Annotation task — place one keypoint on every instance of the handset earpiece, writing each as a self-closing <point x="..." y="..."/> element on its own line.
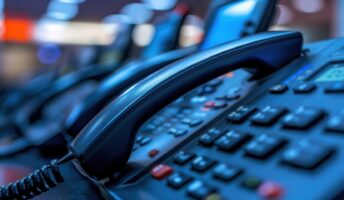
<point x="105" y="144"/>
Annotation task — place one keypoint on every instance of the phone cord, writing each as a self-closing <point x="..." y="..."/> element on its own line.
<point x="36" y="183"/>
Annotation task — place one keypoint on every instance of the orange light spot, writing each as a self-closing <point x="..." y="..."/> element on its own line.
<point x="17" y="30"/>
<point x="230" y="75"/>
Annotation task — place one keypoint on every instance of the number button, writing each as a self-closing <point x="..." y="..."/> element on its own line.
<point x="306" y="154"/>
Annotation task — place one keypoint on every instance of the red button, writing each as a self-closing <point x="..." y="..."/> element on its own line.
<point x="209" y="104"/>
<point x="161" y="171"/>
<point x="270" y="190"/>
<point x="153" y="153"/>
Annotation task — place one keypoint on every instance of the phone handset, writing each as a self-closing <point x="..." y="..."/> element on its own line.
<point x="33" y="110"/>
<point x="116" y="83"/>
<point x="103" y="147"/>
<point x="105" y="144"/>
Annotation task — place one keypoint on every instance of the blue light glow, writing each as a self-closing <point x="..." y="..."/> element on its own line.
<point x="138" y="12"/>
<point x="160" y="4"/>
<point x="49" y="53"/>
<point x="62" y="11"/>
<point x="1" y="5"/>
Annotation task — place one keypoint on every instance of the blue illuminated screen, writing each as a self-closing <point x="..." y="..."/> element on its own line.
<point x="228" y="22"/>
<point x="334" y="73"/>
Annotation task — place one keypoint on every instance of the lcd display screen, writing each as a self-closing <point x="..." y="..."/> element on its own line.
<point x="334" y="73"/>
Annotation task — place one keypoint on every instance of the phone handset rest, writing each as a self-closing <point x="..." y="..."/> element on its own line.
<point x="105" y="144"/>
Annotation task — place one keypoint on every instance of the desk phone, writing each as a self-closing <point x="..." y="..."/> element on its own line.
<point x="282" y="141"/>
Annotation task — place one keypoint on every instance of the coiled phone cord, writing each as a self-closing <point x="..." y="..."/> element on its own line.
<point x="36" y="183"/>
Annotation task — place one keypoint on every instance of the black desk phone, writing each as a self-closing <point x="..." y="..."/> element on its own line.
<point x="281" y="141"/>
<point x="274" y="134"/>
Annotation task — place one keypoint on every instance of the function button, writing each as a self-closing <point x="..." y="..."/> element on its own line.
<point x="145" y="140"/>
<point x="205" y="90"/>
<point x="306" y="154"/>
<point x="208" y="90"/>
<point x="220" y="104"/>
<point x="157" y="120"/>
<point x="174" y="120"/>
<point x="270" y="190"/>
<point x="139" y="138"/>
<point x="335" y="124"/>
<point x="178" y="180"/>
<point x="182" y="157"/>
<point x="177" y="132"/>
<point x="215" y="104"/>
<point x="233" y="96"/>
<point x="202" y="163"/>
<point x="278" y="89"/>
<point x="263" y="146"/>
<point x="209" y="137"/>
<point x="199" y="190"/>
<point x="192" y="122"/>
<point x="231" y="141"/>
<point x="167" y="125"/>
<point x="304" y="88"/>
<point x="186" y="111"/>
<point x="180" y="115"/>
<point x="225" y="172"/>
<point x="215" y="82"/>
<point x="149" y="128"/>
<point x="234" y="90"/>
<point x="198" y="100"/>
<point x="161" y="171"/>
<point x="240" y="114"/>
<point x="302" y="118"/>
<point x="251" y="182"/>
<point x="221" y="97"/>
<point x="335" y="88"/>
<point x="267" y="116"/>
<point x="152" y="153"/>
<point x="169" y="112"/>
